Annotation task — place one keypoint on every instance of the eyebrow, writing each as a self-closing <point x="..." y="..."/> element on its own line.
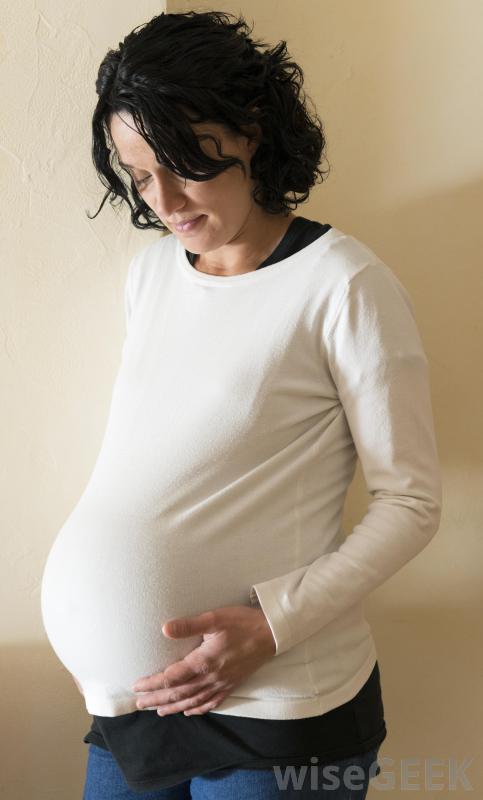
<point x="131" y="166"/>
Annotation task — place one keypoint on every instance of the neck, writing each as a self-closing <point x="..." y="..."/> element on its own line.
<point x="257" y="255"/>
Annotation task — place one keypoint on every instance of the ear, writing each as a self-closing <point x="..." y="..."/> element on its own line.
<point x="253" y="132"/>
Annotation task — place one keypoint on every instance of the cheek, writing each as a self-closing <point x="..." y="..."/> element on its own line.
<point x="227" y="194"/>
<point x="225" y="199"/>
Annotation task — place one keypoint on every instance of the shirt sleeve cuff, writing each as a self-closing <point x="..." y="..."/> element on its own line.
<point x="261" y="596"/>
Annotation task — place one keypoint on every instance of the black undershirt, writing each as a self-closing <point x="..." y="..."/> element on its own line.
<point x="156" y="752"/>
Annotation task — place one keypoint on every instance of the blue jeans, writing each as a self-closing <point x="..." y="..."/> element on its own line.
<point x="105" y="781"/>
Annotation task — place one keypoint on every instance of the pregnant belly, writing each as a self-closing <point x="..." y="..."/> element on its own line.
<point x="107" y="588"/>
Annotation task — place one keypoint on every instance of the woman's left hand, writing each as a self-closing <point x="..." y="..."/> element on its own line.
<point x="237" y="640"/>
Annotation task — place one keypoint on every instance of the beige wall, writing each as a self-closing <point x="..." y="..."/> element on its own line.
<point x="398" y="85"/>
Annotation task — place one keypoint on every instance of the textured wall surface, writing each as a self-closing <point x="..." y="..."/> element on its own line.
<point x="398" y="86"/>
<point x="61" y="330"/>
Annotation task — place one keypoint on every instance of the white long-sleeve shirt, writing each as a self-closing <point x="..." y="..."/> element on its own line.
<point x="238" y="412"/>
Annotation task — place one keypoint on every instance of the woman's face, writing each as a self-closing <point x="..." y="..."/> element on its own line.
<point x="224" y="201"/>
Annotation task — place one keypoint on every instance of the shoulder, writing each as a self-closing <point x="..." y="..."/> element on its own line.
<point x="344" y="257"/>
<point x="353" y="264"/>
<point x="144" y="265"/>
<point x="353" y="281"/>
<point x="151" y="252"/>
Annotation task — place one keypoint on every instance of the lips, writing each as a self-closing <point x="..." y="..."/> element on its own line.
<point x="188" y="224"/>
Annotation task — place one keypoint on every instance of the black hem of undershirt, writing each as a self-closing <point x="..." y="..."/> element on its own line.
<point x="155" y="783"/>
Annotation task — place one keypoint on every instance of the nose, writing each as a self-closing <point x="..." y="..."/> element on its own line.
<point x="167" y="197"/>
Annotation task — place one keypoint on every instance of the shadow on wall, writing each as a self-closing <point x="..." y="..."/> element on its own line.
<point x="430" y="663"/>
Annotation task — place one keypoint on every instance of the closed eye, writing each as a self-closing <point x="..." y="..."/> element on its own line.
<point x="140" y="184"/>
<point x="137" y="184"/>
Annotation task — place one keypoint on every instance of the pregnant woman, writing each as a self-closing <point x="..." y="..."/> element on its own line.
<point x="202" y="592"/>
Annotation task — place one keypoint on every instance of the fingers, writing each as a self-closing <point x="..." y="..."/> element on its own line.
<point x="176" y="694"/>
<point x="176" y="674"/>
<point x="197" y="704"/>
<point x="216" y="700"/>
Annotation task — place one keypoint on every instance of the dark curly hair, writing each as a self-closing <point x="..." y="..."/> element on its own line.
<point x="197" y="67"/>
